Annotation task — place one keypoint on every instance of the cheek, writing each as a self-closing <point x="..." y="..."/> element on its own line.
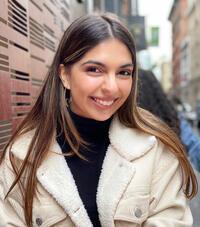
<point x="127" y="88"/>
<point x="88" y="85"/>
<point x="85" y="88"/>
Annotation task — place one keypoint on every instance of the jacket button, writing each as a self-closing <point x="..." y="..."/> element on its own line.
<point x="138" y="213"/>
<point x="121" y="164"/>
<point x="38" y="221"/>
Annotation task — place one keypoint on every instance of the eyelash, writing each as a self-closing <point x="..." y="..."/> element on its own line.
<point x="94" y="69"/>
<point x="125" y="73"/>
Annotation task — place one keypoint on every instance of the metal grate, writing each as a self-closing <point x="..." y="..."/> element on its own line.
<point x="36" y="33"/>
<point x="19" y="75"/>
<point x="65" y="3"/>
<point x="5" y="133"/>
<point x="36" y="5"/>
<point x="37" y="58"/>
<point x="4" y="63"/>
<point x="18" y="46"/>
<point x="37" y="82"/>
<point x="64" y="13"/>
<point x="17" y="17"/>
<point x="49" y="31"/>
<point x="50" y="11"/>
<point x="3" y="41"/>
<point x="20" y="103"/>
<point x="49" y="44"/>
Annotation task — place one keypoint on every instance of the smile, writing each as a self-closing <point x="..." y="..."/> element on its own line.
<point x="104" y="102"/>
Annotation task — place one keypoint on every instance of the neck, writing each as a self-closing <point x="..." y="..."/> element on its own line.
<point x="90" y="130"/>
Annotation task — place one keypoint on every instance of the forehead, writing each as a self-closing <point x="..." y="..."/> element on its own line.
<point x="111" y="50"/>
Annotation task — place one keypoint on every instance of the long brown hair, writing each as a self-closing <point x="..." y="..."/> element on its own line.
<point x="50" y="107"/>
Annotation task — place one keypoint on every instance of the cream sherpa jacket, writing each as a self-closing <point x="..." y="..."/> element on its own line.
<point x="139" y="186"/>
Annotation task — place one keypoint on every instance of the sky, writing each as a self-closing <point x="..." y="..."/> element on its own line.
<point x="157" y="12"/>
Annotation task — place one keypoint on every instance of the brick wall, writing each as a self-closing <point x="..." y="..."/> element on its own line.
<point x="29" y="34"/>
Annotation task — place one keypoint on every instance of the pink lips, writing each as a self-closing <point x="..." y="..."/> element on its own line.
<point x="104" y="102"/>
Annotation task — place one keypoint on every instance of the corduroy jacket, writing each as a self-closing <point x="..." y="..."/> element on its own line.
<point x="139" y="186"/>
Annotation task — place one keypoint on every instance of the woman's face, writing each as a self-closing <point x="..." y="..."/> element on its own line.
<point x="101" y="81"/>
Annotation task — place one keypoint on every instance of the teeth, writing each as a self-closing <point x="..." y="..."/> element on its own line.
<point x="105" y="103"/>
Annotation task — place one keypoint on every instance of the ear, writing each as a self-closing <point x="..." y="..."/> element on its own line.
<point x="64" y="76"/>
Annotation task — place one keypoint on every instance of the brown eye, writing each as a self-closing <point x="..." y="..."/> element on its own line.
<point x="125" y="73"/>
<point x="93" y="70"/>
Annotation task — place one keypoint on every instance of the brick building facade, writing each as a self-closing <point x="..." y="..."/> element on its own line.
<point x="30" y="32"/>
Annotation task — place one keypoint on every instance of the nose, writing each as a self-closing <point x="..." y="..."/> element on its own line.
<point x="110" y="83"/>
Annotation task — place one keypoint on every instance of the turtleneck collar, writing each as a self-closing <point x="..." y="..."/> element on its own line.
<point x="90" y="129"/>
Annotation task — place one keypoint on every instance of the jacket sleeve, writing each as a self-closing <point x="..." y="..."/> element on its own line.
<point x="168" y="204"/>
<point x="11" y="208"/>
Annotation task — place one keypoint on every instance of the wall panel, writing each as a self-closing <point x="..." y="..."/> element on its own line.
<point x="5" y="87"/>
<point x="29" y="34"/>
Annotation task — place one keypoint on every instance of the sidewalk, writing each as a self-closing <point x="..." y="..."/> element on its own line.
<point x="195" y="205"/>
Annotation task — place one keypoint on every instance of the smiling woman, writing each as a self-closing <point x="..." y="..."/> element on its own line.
<point x="86" y="155"/>
<point x="99" y="83"/>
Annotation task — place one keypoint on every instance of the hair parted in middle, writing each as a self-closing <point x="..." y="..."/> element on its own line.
<point x="87" y="32"/>
<point x="50" y="108"/>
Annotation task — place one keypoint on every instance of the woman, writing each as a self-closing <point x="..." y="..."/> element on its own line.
<point x="151" y="97"/>
<point x="122" y="166"/>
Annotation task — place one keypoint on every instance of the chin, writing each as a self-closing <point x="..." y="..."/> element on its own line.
<point x="102" y="118"/>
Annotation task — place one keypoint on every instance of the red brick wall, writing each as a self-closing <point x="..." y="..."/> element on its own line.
<point x="29" y="33"/>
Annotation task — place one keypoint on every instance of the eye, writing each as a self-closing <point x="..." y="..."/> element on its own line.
<point x="125" y="73"/>
<point x="93" y="69"/>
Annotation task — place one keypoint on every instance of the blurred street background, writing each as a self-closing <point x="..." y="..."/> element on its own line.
<point x="167" y="35"/>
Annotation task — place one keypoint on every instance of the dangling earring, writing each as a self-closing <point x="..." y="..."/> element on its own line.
<point x="67" y="102"/>
<point x="67" y="97"/>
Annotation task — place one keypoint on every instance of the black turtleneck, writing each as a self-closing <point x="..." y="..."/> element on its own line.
<point x="86" y="173"/>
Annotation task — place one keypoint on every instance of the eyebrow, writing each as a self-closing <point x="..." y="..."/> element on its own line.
<point x="103" y="65"/>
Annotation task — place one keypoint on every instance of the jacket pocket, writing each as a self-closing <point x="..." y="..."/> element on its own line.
<point x="47" y="216"/>
<point x="133" y="206"/>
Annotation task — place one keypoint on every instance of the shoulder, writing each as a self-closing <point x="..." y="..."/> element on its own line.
<point x="21" y="145"/>
<point x="16" y="152"/>
<point x="131" y="143"/>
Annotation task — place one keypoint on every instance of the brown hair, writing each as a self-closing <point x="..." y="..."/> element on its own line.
<point x="50" y="107"/>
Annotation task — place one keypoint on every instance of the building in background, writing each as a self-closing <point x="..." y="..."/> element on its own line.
<point x="192" y="88"/>
<point x="180" y="45"/>
<point x="185" y="20"/>
<point x="127" y="10"/>
<point x="77" y="8"/>
<point x="121" y="7"/>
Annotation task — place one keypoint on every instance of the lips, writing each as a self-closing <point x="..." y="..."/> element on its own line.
<point x="104" y="101"/>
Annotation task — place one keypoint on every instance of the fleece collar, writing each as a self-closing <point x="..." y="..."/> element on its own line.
<point x="130" y="143"/>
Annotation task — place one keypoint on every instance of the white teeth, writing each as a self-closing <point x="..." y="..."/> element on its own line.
<point x="105" y="103"/>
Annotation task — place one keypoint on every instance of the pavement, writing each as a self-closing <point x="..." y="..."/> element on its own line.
<point x="195" y="205"/>
<point x="195" y="202"/>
